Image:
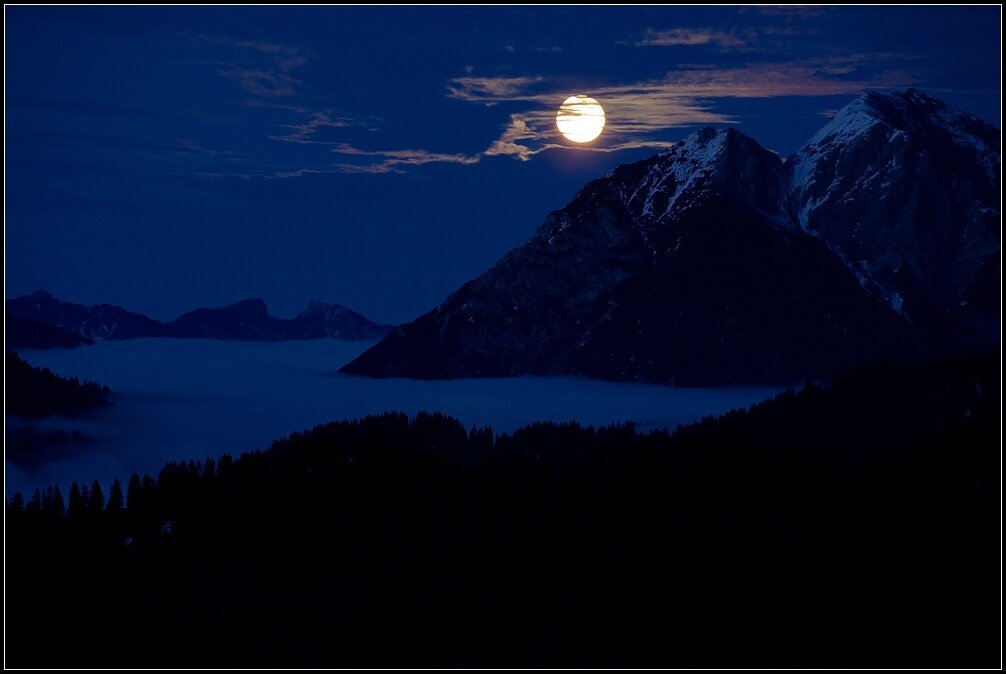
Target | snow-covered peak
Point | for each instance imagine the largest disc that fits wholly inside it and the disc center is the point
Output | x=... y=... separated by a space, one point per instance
x=908 y=113
x=903 y=187
x=878 y=125
x=674 y=171
x=700 y=148
x=853 y=120
x=913 y=110
x=709 y=159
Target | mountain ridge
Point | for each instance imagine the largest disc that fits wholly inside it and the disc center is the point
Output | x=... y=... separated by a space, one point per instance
x=710 y=263
x=247 y=319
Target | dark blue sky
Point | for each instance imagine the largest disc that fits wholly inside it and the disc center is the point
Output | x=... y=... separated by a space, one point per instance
x=166 y=158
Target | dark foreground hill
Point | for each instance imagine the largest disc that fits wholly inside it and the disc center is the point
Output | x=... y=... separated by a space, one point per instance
x=31 y=393
x=24 y=333
x=853 y=526
x=38 y=392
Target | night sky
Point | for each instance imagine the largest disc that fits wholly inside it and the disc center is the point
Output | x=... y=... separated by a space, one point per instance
x=166 y=158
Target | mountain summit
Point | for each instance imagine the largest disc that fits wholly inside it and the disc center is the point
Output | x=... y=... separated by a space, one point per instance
x=906 y=190
x=716 y=262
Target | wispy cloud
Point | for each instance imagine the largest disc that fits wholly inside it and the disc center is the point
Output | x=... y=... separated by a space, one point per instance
x=762 y=38
x=510 y=47
x=392 y=159
x=519 y=140
x=284 y=56
x=798 y=12
x=263 y=82
x=639 y=112
x=269 y=74
x=509 y=144
x=306 y=132
x=491 y=89
x=675 y=37
x=264 y=46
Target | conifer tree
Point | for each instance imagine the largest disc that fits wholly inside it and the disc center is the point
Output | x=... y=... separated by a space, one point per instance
x=209 y=469
x=16 y=504
x=76 y=500
x=58 y=504
x=49 y=501
x=134 y=492
x=115 y=495
x=36 y=502
x=96 y=501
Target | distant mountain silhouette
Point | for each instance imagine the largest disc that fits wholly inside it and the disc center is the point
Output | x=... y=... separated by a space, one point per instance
x=39 y=314
x=245 y=320
x=99 y=321
x=335 y=320
x=716 y=262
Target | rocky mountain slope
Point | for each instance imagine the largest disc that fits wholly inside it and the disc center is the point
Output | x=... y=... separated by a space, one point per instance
x=716 y=262
x=906 y=190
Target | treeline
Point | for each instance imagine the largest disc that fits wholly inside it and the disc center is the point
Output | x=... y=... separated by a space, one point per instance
x=37 y=392
x=850 y=526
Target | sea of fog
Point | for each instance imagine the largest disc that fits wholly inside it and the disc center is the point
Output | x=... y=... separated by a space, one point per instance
x=176 y=399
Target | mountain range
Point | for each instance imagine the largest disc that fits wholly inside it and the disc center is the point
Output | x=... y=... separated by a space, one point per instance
x=717 y=261
x=43 y=321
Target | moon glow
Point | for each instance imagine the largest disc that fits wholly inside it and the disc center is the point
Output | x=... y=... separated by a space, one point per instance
x=580 y=119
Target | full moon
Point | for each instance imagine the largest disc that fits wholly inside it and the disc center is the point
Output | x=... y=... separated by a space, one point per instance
x=580 y=119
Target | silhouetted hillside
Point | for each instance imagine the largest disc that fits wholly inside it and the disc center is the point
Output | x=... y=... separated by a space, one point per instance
x=849 y=526
x=22 y=333
x=34 y=392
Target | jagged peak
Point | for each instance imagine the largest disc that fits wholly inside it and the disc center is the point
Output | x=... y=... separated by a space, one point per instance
x=889 y=105
x=877 y=117
x=707 y=143
x=907 y=111
x=699 y=149
x=702 y=146
x=708 y=158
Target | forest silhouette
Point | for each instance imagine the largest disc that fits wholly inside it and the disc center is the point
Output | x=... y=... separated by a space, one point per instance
x=849 y=525
x=38 y=392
